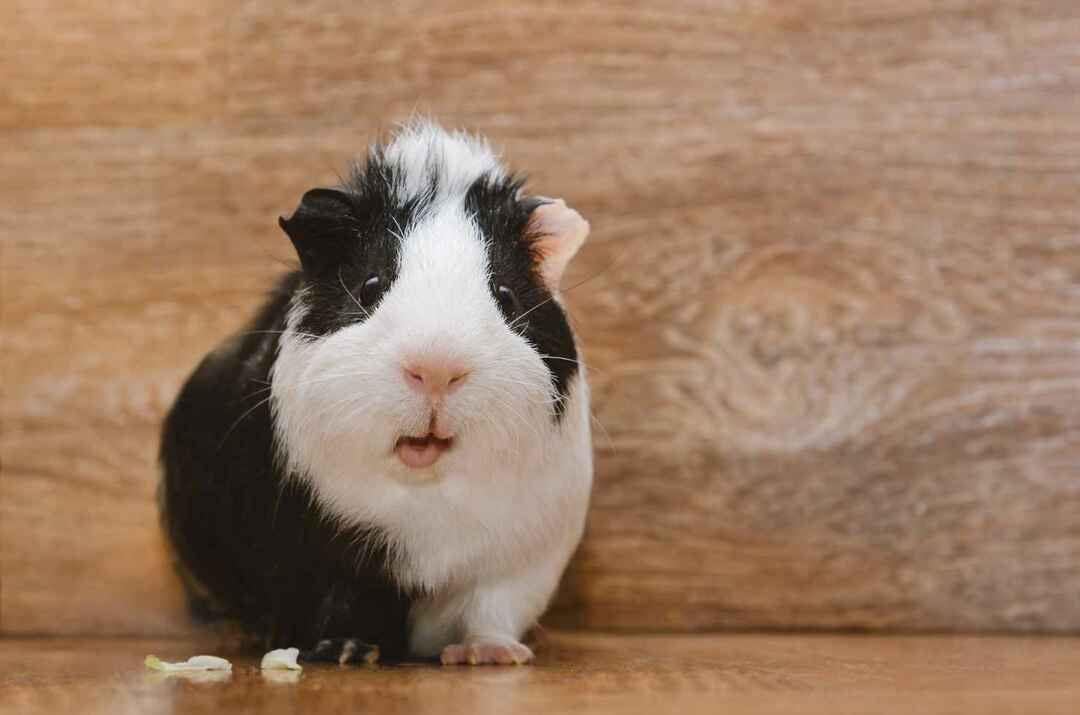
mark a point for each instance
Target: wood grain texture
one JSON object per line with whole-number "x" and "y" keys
{"x": 831, "y": 296}
{"x": 72, "y": 64}
{"x": 575, "y": 673}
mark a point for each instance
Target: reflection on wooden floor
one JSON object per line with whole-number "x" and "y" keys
{"x": 577, "y": 673}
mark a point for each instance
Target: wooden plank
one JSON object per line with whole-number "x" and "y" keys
{"x": 830, "y": 298}
{"x": 71, "y": 63}
{"x": 576, "y": 672}
{"x": 852, "y": 412}
{"x": 562, "y": 67}
{"x": 99, "y": 333}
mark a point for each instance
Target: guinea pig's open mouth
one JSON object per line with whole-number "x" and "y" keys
{"x": 420, "y": 452}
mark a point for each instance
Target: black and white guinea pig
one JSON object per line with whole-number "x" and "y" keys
{"x": 395, "y": 455}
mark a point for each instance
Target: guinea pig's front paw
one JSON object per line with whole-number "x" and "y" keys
{"x": 486, "y": 650}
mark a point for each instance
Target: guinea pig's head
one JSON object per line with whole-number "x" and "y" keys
{"x": 427, "y": 331}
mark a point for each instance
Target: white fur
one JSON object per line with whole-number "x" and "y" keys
{"x": 422, "y": 148}
{"x": 485, "y": 533}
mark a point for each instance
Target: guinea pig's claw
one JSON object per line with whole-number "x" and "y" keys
{"x": 343, "y": 651}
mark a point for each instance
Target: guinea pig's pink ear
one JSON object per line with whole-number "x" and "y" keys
{"x": 321, "y": 228}
{"x": 558, "y": 232}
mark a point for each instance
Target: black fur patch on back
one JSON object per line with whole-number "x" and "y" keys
{"x": 504, "y": 221}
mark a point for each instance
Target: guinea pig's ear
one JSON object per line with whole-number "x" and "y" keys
{"x": 321, "y": 228}
{"x": 558, "y": 232}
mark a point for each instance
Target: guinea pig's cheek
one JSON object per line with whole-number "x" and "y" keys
{"x": 500, "y": 405}
{"x": 340, "y": 394}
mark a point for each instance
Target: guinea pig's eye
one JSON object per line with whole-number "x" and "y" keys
{"x": 508, "y": 302}
{"x": 371, "y": 291}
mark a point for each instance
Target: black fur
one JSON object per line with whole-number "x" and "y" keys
{"x": 258, "y": 542}
{"x": 504, "y": 221}
{"x": 343, "y": 242}
{"x": 255, "y": 544}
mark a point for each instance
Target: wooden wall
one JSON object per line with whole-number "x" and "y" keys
{"x": 833, "y": 295}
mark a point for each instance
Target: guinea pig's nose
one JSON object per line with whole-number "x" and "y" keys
{"x": 435, "y": 377}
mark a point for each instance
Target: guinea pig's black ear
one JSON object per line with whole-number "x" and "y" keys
{"x": 321, "y": 228}
{"x": 558, "y": 232}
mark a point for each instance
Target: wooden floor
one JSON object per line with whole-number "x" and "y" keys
{"x": 577, "y": 673}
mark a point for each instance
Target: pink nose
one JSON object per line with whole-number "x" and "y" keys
{"x": 435, "y": 377}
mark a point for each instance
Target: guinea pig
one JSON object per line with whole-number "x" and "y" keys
{"x": 394, "y": 456}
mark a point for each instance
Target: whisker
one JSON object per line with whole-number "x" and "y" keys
{"x": 240, "y": 419}
{"x": 360, "y": 408}
{"x": 496, "y": 397}
{"x": 541, "y": 402}
{"x": 349, "y": 293}
{"x": 331, "y": 377}
{"x": 260, "y": 391}
{"x": 586, "y": 366}
{"x": 400, "y": 235}
{"x": 521, "y": 317}
{"x": 580, "y": 283}
{"x": 607, "y": 435}
{"x": 335, "y": 406}
{"x": 281, "y": 332}
{"x": 599, "y": 273}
